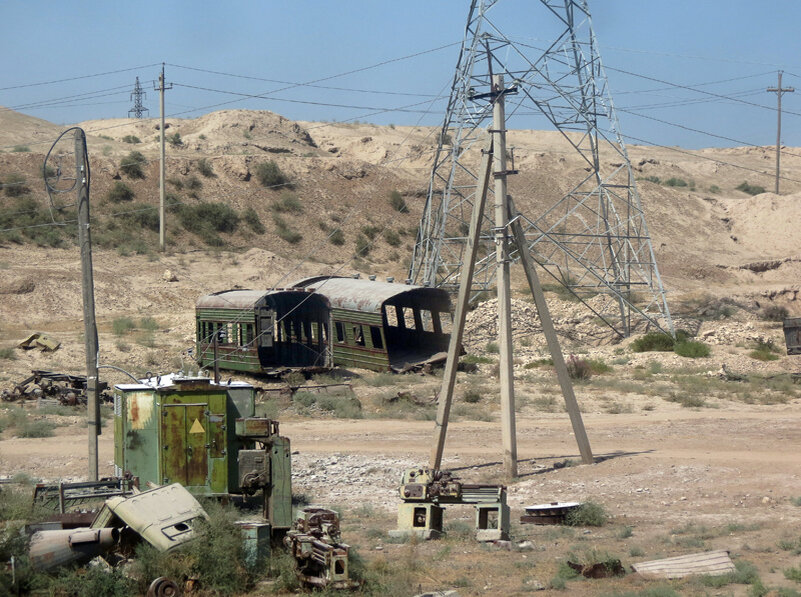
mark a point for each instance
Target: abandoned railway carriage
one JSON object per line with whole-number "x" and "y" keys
{"x": 323, "y": 322}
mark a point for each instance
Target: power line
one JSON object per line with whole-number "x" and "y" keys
{"x": 296, "y": 84}
{"x": 111, "y": 72}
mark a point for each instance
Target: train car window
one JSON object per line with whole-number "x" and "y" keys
{"x": 408, "y": 318}
{"x": 375, "y": 336}
{"x": 247, "y": 334}
{"x": 358, "y": 335}
{"x": 436, "y": 322}
{"x": 425, "y": 319}
{"x": 392, "y": 317}
{"x": 445, "y": 321}
{"x": 340, "y": 331}
{"x": 399, "y": 316}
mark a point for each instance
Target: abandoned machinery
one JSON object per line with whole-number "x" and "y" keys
{"x": 67, "y": 389}
{"x": 186, "y": 438}
{"x": 424, "y": 492}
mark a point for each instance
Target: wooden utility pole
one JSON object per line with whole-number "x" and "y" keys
{"x": 88, "y": 292}
{"x": 462, "y": 307}
{"x": 162, "y": 86}
{"x": 779, "y": 91}
{"x": 508, "y": 426}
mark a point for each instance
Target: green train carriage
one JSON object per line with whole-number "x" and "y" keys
{"x": 322, "y": 322}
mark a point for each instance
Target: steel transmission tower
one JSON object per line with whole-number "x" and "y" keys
{"x": 137, "y": 95}
{"x": 590, "y": 234}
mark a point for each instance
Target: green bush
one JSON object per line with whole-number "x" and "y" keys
{"x": 120, "y": 192}
{"x": 337, "y": 237}
{"x": 141, "y": 215}
{"x": 8, "y": 353}
{"x": 21, "y": 149}
{"x": 362, "y": 246}
{"x": 122, "y": 325}
{"x": 370, "y": 231}
{"x": 676, "y": 182}
{"x": 715, "y": 189}
{"x": 774, "y": 313}
{"x": 288, "y": 202}
{"x": 174, "y": 139}
{"x": 131, "y": 139}
{"x": 764, "y": 350}
{"x": 211, "y": 215}
{"x": 204, "y": 167}
{"x": 653, "y": 341}
{"x": 392, "y": 238}
{"x": 176, "y": 182}
{"x": 588, "y": 514}
{"x": 15, "y": 185}
{"x": 692, "y": 349}
{"x": 653, "y": 179}
{"x": 750, "y": 189}
{"x": 253, "y": 220}
{"x": 193, "y": 183}
{"x": 285, "y": 231}
{"x": 578, "y": 368}
{"x": 471, "y": 396}
{"x": 131, "y": 165}
{"x": 397, "y": 202}
{"x": 270, "y": 175}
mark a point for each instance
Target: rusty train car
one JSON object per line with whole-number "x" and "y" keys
{"x": 322, "y": 322}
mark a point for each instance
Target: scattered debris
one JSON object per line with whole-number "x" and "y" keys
{"x": 67, "y": 389}
{"x": 62, "y": 496}
{"x": 611, "y": 567}
{"x": 710, "y": 563}
{"x": 792, "y": 335}
{"x": 165, "y": 517}
{"x": 40, "y": 340}
{"x": 424, "y": 491}
{"x": 314, "y": 543}
{"x": 551, "y": 513}
{"x": 50, "y": 549}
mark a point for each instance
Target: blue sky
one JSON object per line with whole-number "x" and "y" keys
{"x": 690, "y": 43}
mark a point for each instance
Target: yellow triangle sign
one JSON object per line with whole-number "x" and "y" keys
{"x": 197, "y": 427}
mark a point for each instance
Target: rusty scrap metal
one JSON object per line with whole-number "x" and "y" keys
{"x": 710, "y": 563}
{"x": 50, "y": 549}
{"x": 551, "y": 513}
{"x": 40, "y": 340}
{"x": 314, "y": 542}
{"x": 163, "y": 587}
{"x": 606, "y": 569}
{"x": 792, "y": 335}
{"x": 62, "y": 496}
{"x": 68, "y": 389}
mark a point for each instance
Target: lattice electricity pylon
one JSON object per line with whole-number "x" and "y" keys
{"x": 137, "y": 95}
{"x": 593, "y": 239}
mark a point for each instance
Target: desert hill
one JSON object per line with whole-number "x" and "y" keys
{"x": 710, "y": 238}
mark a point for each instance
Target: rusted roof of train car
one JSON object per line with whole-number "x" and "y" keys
{"x": 240, "y": 299}
{"x": 367, "y": 295}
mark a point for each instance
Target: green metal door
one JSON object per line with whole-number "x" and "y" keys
{"x": 183, "y": 439}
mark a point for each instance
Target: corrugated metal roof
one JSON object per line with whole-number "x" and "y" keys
{"x": 361, "y": 295}
{"x": 712, "y": 563}
{"x": 231, "y": 299}
{"x": 241, "y": 299}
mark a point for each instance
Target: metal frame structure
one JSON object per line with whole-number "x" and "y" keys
{"x": 593, "y": 239}
{"x": 137, "y": 95}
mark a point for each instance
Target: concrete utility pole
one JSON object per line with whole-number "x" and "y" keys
{"x": 88, "y": 292}
{"x": 161, "y": 88}
{"x": 779, "y": 90}
{"x": 508, "y": 424}
{"x": 507, "y": 225}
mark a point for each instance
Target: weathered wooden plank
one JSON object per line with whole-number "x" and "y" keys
{"x": 711, "y": 563}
